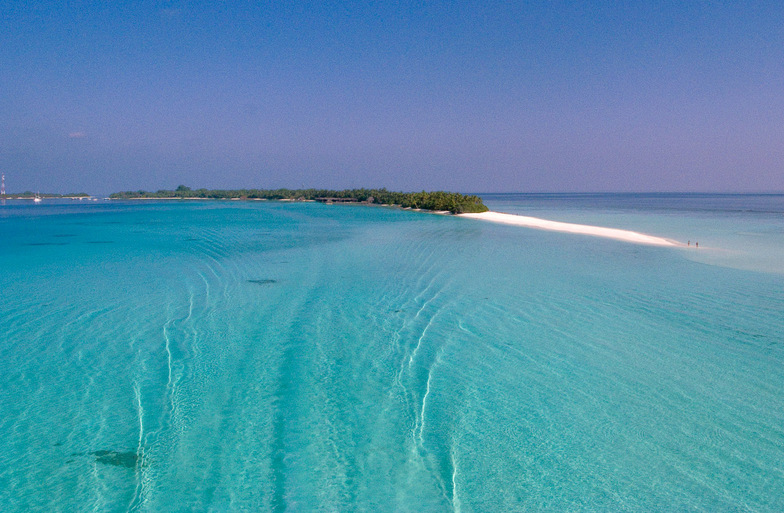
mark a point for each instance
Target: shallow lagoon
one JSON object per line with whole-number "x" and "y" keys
{"x": 273, "y": 356}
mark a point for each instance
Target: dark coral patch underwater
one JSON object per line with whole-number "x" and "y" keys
{"x": 127, "y": 459}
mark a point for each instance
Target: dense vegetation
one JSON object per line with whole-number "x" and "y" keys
{"x": 448, "y": 201}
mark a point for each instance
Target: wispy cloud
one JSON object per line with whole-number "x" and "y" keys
{"x": 77, "y": 135}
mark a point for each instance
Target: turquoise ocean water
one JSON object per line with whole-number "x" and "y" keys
{"x": 261, "y": 356}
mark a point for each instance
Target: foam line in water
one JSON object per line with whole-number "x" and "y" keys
{"x": 173, "y": 377}
{"x": 424, "y": 405}
{"x": 206, "y": 287}
{"x": 421, "y": 427}
{"x": 455, "y": 500}
{"x": 168, "y": 355}
{"x": 419, "y": 341}
{"x": 139, "y": 491}
{"x": 190, "y": 306}
{"x": 583, "y": 229}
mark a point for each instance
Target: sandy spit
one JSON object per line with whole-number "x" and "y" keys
{"x": 583, "y": 229}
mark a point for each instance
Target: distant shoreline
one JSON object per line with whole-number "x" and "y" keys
{"x": 357, "y": 203}
{"x": 24, "y": 197}
{"x": 436, "y": 201}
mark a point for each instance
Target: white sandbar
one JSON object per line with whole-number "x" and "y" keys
{"x": 557, "y": 226}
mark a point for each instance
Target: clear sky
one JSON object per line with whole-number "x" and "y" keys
{"x": 467, "y": 96}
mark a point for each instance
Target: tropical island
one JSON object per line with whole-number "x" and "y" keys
{"x": 435, "y": 201}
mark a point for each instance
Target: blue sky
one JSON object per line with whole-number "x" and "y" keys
{"x": 467, "y": 96}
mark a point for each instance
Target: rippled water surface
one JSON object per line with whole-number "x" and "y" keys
{"x": 297, "y": 356}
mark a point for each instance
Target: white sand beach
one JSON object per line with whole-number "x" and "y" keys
{"x": 557, "y": 226}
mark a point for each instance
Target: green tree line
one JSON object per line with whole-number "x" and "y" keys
{"x": 439, "y": 200}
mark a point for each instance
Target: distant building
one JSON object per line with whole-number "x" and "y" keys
{"x": 330, "y": 201}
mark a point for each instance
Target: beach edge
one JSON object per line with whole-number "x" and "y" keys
{"x": 580, "y": 229}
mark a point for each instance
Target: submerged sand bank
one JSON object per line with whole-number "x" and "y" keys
{"x": 557, "y": 226}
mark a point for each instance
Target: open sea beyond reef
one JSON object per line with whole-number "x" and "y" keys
{"x": 268, "y": 356}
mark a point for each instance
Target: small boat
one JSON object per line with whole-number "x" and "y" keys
{"x": 37, "y": 198}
